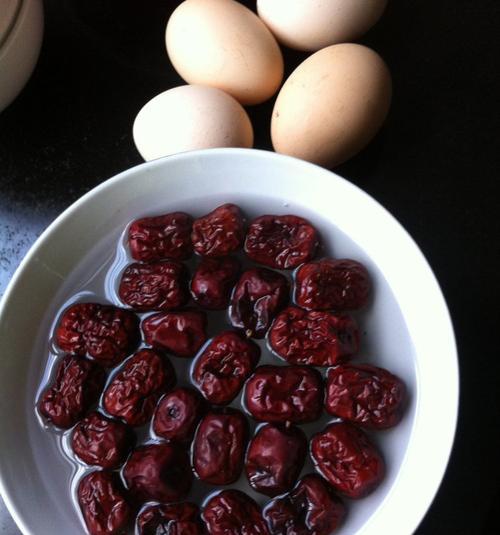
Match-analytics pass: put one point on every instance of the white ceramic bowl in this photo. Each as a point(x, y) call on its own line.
point(408, 326)
point(20, 42)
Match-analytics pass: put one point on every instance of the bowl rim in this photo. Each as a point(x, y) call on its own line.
point(423, 484)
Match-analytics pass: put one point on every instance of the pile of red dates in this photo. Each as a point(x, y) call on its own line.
point(116, 376)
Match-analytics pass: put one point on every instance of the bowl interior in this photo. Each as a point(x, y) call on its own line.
point(80, 248)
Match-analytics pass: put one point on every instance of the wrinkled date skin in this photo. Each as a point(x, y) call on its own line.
point(220, 371)
point(232, 512)
point(219, 447)
point(172, 519)
point(77, 386)
point(365, 395)
point(313, 338)
point(275, 458)
point(161, 237)
point(311, 508)
point(281, 242)
point(339, 285)
point(158, 472)
point(213, 282)
point(344, 455)
point(155, 286)
point(259, 295)
point(133, 393)
point(178, 414)
point(103, 504)
point(220, 232)
point(182, 333)
point(284, 394)
point(104, 332)
point(100, 441)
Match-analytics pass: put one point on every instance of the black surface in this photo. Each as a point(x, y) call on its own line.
point(434, 166)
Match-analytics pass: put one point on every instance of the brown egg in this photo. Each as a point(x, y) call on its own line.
point(332, 105)
point(225, 45)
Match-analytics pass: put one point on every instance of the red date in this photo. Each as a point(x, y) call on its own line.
point(224, 365)
point(103, 504)
point(213, 282)
point(182, 333)
point(161, 237)
point(365, 395)
point(232, 512)
point(281, 242)
point(259, 295)
point(344, 455)
point(171, 519)
point(104, 332)
point(314, 338)
point(219, 447)
point(103, 442)
point(220, 232)
point(133, 393)
point(311, 508)
point(284, 394)
point(178, 414)
point(332, 284)
point(275, 458)
point(158, 472)
point(77, 386)
point(155, 286)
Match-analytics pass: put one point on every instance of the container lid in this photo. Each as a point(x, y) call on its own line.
point(9, 10)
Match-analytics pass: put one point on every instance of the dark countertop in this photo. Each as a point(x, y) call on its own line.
point(434, 166)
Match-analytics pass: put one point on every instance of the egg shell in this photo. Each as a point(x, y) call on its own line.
point(190, 117)
point(332, 105)
point(223, 44)
point(314, 24)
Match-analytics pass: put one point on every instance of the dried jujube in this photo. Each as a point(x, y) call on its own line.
point(317, 338)
point(133, 393)
point(365, 395)
point(345, 457)
point(100, 441)
point(259, 295)
point(275, 458)
point(77, 386)
point(104, 332)
point(339, 285)
point(161, 237)
point(224, 365)
point(170, 519)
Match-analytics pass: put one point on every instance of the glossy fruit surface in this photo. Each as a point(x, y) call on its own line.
point(182, 333)
point(104, 332)
point(155, 286)
point(311, 508)
point(339, 285)
point(213, 282)
point(220, 232)
point(224, 365)
point(158, 472)
point(103, 503)
point(284, 394)
point(219, 446)
point(365, 395)
point(100, 441)
point(314, 338)
point(77, 386)
point(275, 458)
point(281, 242)
point(259, 295)
point(232, 512)
point(178, 414)
point(344, 455)
point(161, 237)
point(171, 519)
point(133, 393)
